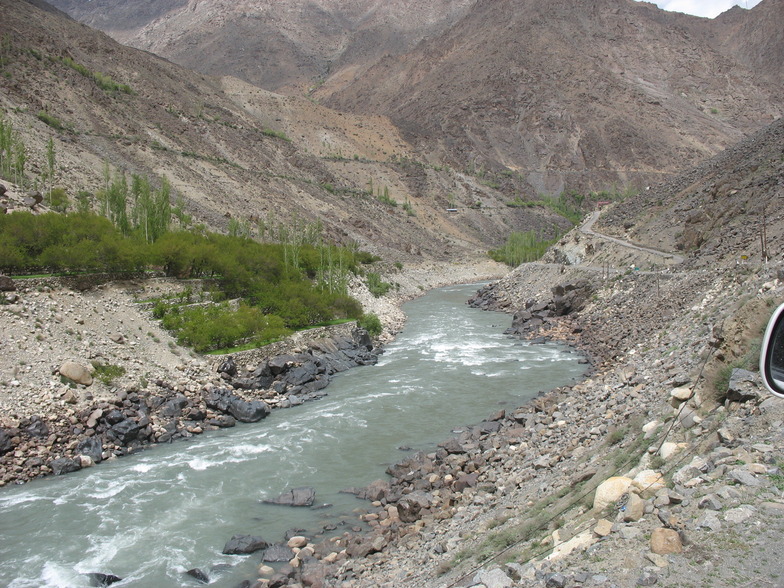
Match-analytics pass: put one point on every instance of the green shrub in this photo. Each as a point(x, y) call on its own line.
point(371, 323)
point(58, 199)
point(207, 328)
point(50, 120)
point(276, 134)
point(107, 373)
point(376, 285)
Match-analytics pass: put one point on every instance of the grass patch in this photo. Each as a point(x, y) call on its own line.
point(275, 134)
point(107, 373)
point(104, 82)
point(50, 120)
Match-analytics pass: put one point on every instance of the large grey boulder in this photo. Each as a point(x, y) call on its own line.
point(303, 496)
point(224, 400)
point(244, 544)
point(277, 553)
point(6, 444)
point(65, 465)
point(92, 447)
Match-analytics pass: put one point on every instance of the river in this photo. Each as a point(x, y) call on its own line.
point(149, 517)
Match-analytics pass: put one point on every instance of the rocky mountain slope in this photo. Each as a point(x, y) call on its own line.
point(234, 151)
point(664, 467)
point(572, 94)
point(553, 94)
point(287, 46)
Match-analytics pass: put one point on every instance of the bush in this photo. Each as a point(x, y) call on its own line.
point(371, 323)
point(376, 286)
point(207, 328)
point(107, 373)
point(51, 120)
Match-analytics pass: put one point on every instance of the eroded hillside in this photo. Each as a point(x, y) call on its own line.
point(543, 96)
point(233, 151)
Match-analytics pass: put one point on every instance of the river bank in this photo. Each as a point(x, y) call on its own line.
point(636, 476)
point(151, 389)
point(208, 478)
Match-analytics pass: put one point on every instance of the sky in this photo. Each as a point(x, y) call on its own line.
point(708, 8)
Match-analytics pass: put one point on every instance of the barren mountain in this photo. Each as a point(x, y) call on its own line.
point(293, 45)
point(559, 94)
point(233, 150)
point(571, 94)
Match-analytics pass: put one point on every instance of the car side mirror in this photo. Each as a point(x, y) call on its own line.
point(772, 354)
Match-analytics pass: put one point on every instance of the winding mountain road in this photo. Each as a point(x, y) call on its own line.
point(587, 228)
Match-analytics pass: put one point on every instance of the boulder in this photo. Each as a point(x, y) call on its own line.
point(634, 508)
point(281, 364)
point(363, 546)
point(649, 482)
point(91, 447)
point(6, 444)
point(244, 544)
point(76, 372)
point(65, 465)
point(173, 408)
point(125, 431)
point(37, 427)
point(277, 553)
point(224, 400)
point(118, 338)
point(198, 575)
point(98, 579)
point(377, 490)
point(228, 366)
point(664, 541)
point(7, 284)
point(494, 578)
point(609, 491)
point(411, 505)
point(743, 386)
point(303, 496)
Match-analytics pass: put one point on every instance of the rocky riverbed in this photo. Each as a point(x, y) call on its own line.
point(643, 474)
point(88, 374)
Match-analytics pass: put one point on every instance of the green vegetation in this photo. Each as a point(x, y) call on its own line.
point(103, 81)
point(13, 154)
point(209, 327)
point(371, 323)
point(276, 134)
point(529, 246)
point(376, 286)
point(51, 120)
point(521, 248)
point(385, 198)
point(276, 287)
point(107, 373)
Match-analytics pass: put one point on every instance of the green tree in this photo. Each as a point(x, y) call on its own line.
point(51, 165)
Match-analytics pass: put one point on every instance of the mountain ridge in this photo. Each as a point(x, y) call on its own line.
point(567, 95)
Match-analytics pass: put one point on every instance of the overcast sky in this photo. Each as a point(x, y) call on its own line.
point(709, 8)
